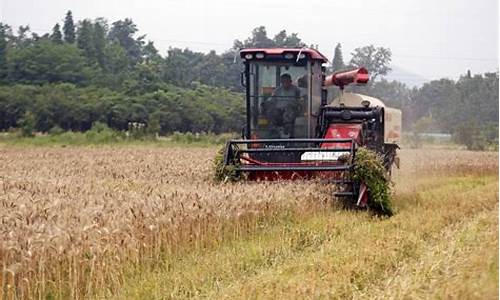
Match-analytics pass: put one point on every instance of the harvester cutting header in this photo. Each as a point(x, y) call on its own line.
point(293, 131)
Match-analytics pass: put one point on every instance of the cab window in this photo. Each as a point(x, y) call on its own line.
point(279, 95)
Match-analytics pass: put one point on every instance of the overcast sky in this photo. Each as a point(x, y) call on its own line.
point(432, 38)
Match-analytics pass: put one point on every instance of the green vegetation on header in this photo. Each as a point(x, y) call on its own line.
point(369, 169)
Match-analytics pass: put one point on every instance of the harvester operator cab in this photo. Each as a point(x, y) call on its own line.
point(283, 90)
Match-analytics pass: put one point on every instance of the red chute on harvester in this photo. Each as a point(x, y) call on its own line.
point(341, 79)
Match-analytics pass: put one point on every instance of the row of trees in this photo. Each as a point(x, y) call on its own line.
point(467, 108)
point(93, 52)
point(87, 53)
point(91, 70)
point(67, 107)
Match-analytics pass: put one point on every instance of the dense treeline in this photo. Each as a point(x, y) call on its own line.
point(92, 71)
point(65, 106)
point(95, 72)
point(467, 108)
point(94, 53)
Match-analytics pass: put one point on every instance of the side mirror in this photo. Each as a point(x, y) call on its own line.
point(242, 79)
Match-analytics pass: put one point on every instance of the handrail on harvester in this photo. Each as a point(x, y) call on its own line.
point(233, 152)
point(269, 141)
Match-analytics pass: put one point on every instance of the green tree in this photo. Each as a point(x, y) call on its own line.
point(471, 135)
point(3, 52)
point(115, 66)
point(48, 62)
point(179, 65)
point(14, 101)
point(478, 96)
point(467, 108)
point(154, 125)
point(56, 36)
point(440, 99)
point(122, 32)
point(22, 40)
point(84, 38)
point(36, 38)
point(99, 39)
point(150, 53)
point(27, 124)
point(376, 60)
point(69, 28)
point(282, 39)
point(211, 70)
point(338, 60)
point(145, 78)
point(259, 39)
point(232, 66)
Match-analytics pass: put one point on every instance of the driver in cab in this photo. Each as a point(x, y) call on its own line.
point(284, 106)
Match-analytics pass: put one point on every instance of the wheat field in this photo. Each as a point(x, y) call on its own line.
point(148, 222)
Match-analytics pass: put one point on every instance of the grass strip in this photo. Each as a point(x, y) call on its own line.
point(331, 254)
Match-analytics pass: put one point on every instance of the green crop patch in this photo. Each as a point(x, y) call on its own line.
point(225, 173)
point(369, 169)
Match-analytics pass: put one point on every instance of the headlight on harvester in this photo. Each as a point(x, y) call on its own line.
point(259, 55)
point(289, 56)
point(248, 56)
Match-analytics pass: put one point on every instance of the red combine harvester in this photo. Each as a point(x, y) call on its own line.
point(292, 132)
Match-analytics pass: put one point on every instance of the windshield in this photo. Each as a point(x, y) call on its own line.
point(278, 100)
